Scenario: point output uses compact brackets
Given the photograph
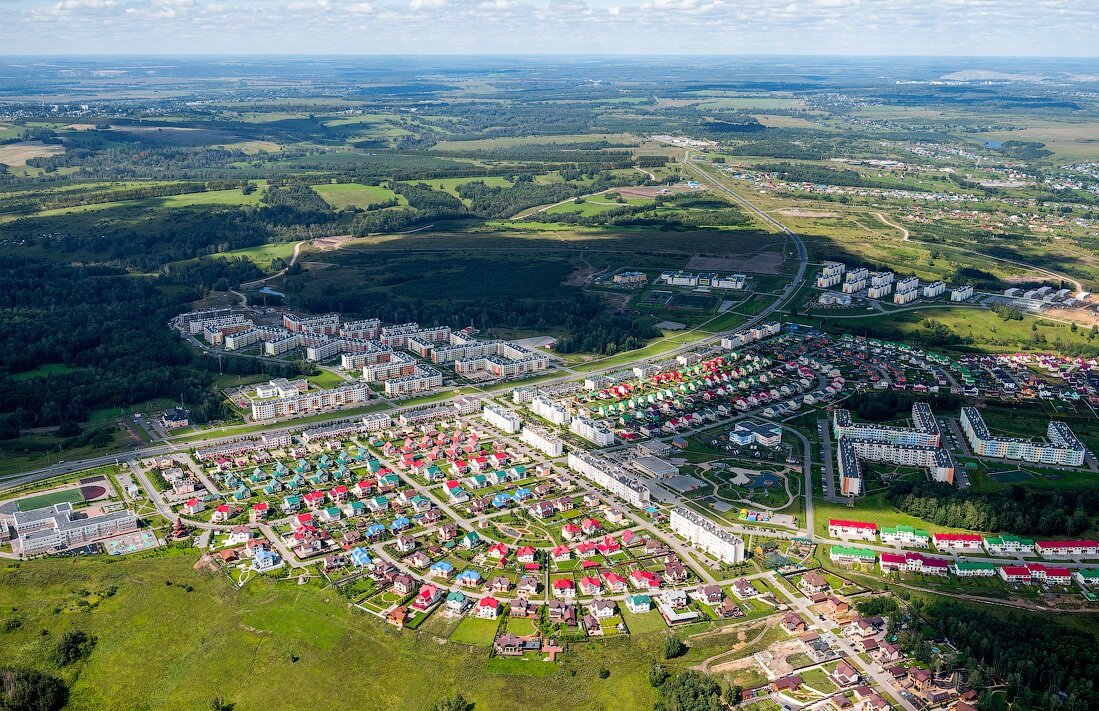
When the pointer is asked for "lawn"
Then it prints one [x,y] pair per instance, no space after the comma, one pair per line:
[301,636]
[643,623]
[45,370]
[873,507]
[521,626]
[474,630]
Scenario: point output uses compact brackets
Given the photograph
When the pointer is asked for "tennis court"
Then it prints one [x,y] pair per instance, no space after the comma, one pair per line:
[1011,477]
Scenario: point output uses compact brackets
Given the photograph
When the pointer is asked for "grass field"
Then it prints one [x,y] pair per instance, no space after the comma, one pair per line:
[72,496]
[17,154]
[342,195]
[161,647]
[204,199]
[474,630]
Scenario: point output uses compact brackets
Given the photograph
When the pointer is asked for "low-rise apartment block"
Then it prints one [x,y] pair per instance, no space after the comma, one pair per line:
[547,409]
[422,379]
[310,402]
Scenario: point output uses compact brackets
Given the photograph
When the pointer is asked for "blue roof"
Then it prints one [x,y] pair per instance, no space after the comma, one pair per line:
[442,565]
[375,528]
[401,522]
[360,557]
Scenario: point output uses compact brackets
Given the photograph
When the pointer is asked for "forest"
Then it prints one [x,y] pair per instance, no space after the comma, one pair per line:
[1043,663]
[1016,510]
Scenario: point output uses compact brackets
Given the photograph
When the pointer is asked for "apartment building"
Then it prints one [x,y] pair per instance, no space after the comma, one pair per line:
[842,528]
[397,365]
[310,402]
[905,537]
[935,288]
[550,410]
[372,355]
[918,446]
[706,535]
[961,293]
[592,431]
[879,292]
[501,418]
[397,336]
[423,379]
[609,476]
[59,527]
[366,330]
[1008,545]
[881,278]
[850,471]
[324,325]
[543,440]
[234,341]
[1062,446]
[907,297]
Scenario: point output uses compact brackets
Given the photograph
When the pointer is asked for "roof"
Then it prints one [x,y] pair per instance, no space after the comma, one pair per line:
[969,537]
[843,523]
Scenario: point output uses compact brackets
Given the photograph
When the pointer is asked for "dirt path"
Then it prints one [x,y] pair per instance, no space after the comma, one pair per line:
[716,664]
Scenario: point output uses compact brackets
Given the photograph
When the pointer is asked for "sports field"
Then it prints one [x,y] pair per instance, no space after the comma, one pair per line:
[72,496]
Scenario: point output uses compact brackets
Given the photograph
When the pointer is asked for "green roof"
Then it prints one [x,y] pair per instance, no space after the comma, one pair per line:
[1089,573]
[1008,538]
[907,529]
[973,565]
[852,551]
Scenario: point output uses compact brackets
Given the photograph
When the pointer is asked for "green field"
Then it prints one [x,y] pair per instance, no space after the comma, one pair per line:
[343,195]
[203,199]
[306,640]
[43,371]
[476,631]
[72,496]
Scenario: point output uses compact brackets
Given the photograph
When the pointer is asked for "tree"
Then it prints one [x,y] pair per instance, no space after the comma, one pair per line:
[690,691]
[732,694]
[673,647]
[30,690]
[219,704]
[454,702]
[658,674]
[73,646]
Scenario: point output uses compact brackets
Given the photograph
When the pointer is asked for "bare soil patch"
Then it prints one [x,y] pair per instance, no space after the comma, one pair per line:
[800,212]
[19,153]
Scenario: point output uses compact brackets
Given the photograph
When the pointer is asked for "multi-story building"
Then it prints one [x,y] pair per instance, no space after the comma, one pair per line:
[592,431]
[842,528]
[543,440]
[934,289]
[1008,545]
[909,562]
[850,471]
[310,402]
[550,410]
[366,330]
[961,293]
[58,527]
[762,433]
[241,339]
[879,292]
[849,554]
[1067,549]
[398,365]
[373,355]
[1062,447]
[422,379]
[830,274]
[324,325]
[958,542]
[881,278]
[397,336]
[919,446]
[707,535]
[501,418]
[376,421]
[906,297]
[609,476]
[905,537]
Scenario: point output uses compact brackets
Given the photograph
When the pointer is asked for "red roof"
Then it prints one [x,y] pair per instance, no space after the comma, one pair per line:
[1015,570]
[897,558]
[969,537]
[563,583]
[261,506]
[561,549]
[841,523]
[1068,544]
[488,602]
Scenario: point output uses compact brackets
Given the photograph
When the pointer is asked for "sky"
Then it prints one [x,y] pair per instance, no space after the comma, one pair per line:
[1015,28]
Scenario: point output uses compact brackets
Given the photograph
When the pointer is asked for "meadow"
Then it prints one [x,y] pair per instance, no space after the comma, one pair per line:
[171,638]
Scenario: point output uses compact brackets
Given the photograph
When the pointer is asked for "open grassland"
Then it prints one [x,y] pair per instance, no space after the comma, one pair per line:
[203,199]
[342,195]
[1068,141]
[162,647]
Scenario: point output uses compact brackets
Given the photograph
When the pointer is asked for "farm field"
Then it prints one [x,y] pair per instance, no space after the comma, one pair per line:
[343,195]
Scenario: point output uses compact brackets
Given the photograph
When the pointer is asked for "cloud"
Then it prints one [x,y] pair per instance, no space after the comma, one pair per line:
[704,27]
